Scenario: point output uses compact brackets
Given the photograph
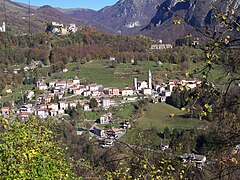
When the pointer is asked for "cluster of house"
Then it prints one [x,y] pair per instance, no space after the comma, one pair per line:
[54,102]
[198,160]
[109,134]
[165,90]
[61,29]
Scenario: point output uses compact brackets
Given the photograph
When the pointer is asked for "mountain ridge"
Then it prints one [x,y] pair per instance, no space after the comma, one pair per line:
[154,18]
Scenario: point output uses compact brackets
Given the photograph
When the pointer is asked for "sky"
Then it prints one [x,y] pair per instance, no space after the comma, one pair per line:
[89,4]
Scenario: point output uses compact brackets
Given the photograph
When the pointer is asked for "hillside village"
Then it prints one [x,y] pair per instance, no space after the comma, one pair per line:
[54,100]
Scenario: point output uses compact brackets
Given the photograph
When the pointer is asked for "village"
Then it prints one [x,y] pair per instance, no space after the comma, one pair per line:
[58,96]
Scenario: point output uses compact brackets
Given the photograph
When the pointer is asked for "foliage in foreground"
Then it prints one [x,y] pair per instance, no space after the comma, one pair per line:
[28,151]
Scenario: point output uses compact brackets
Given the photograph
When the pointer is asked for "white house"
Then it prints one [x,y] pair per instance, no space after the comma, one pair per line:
[96,93]
[41,113]
[76,80]
[30,94]
[42,87]
[106,103]
[53,106]
[98,131]
[147,91]
[86,107]
[105,118]
[63,105]
[166,93]
[87,93]
[51,84]
[142,85]
[53,113]
[127,91]
[8,91]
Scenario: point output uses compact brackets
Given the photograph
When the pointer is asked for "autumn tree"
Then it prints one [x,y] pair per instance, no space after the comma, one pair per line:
[28,151]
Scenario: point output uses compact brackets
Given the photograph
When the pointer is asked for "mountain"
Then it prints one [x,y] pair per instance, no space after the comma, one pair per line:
[80,13]
[54,13]
[193,15]
[127,16]
[154,18]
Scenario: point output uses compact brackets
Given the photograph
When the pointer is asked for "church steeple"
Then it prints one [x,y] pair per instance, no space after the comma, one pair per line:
[149,79]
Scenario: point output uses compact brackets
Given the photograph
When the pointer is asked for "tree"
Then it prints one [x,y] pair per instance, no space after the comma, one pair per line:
[93,103]
[167,133]
[28,151]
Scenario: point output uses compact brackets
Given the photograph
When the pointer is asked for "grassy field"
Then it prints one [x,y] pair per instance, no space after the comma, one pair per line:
[155,120]
[157,116]
[98,72]
[124,111]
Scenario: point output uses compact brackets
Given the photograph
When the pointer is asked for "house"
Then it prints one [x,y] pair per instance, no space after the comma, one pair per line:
[76,80]
[86,107]
[87,93]
[63,105]
[30,94]
[61,112]
[164,146]
[111,91]
[106,103]
[166,93]
[92,87]
[61,84]
[72,28]
[70,84]
[98,131]
[65,70]
[72,104]
[126,125]
[107,143]
[163,98]
[41,113]
[112,59]
[5,110]
[53,106]
[127,91]
[51,84]
[8,91]
[199,160]
[161,46]
[53,113]
[142,85]
[79,130]
[48,98]
[42,87]
[26,108]
[172,84]
[24,115]
[43,106]
[105,118]
[78,91]
[147,91]
[96,93]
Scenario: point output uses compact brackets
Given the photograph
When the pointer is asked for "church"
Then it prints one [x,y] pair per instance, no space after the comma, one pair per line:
[144,87]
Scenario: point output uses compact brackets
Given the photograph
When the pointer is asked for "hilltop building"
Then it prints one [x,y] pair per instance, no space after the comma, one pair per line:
[161,46]
[61,29]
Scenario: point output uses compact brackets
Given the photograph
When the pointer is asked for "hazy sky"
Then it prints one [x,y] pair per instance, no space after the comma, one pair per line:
[90,4]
